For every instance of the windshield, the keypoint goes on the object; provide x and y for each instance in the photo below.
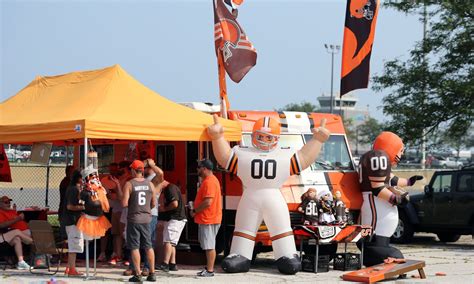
(334, 154)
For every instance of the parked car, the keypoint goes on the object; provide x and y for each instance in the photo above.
(446, 208)
(448, 162)
(16, 157)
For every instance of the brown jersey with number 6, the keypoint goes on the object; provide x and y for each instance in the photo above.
(139, 204)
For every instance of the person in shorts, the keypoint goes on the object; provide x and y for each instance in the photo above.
(175, 220)
(208, 213)
(74, 208)
(139, 198)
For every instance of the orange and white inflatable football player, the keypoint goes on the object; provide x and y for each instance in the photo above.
(263, 169)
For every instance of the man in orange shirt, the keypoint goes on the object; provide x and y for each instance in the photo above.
(208, 213)
(12, 217)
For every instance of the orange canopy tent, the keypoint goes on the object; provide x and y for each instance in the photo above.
(100, 104)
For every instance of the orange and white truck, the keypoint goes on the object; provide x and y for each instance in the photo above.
(333, 169)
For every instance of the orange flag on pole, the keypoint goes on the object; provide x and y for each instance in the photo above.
(359, 32)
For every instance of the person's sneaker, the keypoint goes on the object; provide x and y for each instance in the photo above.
(126, 263)
(173, 267)
(102, 258)
(151, 277)
(135, 278)
(145, 272)
(206, 273)
(113, 260)
(73, 272)
(22, 265)
(164, 266)
(200, 272)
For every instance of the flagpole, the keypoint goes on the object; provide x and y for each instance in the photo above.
(224, 101)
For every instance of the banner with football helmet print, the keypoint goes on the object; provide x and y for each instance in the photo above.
(238, 53)
(5, 173)
(359, 31)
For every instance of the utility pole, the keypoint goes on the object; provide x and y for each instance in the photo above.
(423, 137)
(333, 49)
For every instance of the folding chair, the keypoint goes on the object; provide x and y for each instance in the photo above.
(44, 243)
(7, 253)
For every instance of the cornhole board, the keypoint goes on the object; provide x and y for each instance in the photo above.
(384, 271)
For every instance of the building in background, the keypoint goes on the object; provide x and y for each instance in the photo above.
(347, 108)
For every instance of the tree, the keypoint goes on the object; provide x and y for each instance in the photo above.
(303, 106)
(369, 130)
(434, 88)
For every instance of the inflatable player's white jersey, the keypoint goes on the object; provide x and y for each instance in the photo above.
(258, 169)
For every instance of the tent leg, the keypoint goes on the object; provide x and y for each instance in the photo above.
(87, 260)
(95, 257)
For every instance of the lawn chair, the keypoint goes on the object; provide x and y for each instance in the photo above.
(45, 244)
(7, 253)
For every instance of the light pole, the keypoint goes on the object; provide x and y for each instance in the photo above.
(333, 49)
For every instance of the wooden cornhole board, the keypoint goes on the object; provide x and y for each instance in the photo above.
(385, 271)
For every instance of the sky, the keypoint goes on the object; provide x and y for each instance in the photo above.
(168, 45)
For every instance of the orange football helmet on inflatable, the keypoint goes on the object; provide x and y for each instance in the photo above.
(391, 144)
(265, 133)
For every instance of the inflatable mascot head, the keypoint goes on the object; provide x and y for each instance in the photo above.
(265, 133)
(391, 144)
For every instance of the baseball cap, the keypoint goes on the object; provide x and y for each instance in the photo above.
(206, 163)
(5, 198)
(137, 164)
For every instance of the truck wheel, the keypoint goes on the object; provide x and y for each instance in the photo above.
(404, 231)
(448, 237)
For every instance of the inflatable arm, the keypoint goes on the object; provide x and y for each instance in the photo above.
(220, 146)
(311, 149)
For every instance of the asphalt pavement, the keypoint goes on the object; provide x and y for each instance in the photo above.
(456, 260)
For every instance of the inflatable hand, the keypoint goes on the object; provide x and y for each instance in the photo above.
(413, 179)
(321, 133)
(215, 130)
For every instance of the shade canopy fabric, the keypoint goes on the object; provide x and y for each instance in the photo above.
(100, 104)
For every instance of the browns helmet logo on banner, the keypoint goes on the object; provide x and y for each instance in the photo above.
(238, 52)
(359, 32)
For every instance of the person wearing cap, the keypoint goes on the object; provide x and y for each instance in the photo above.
(208, 213)
(10, 218)
(16, 230)
(139, 197)
(154, 174)
(74, 208)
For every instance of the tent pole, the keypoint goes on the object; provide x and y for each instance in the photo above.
(85, 152)
(87, 242)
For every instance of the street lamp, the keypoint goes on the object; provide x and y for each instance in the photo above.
(333, 49)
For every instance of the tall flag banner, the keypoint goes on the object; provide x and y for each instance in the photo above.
(359, 32)
(238, 53)
(234, 3)
(5, 173)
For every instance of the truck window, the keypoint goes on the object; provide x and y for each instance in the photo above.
(165, 157)
(466, 182)
(334, 154)
(442, 183)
